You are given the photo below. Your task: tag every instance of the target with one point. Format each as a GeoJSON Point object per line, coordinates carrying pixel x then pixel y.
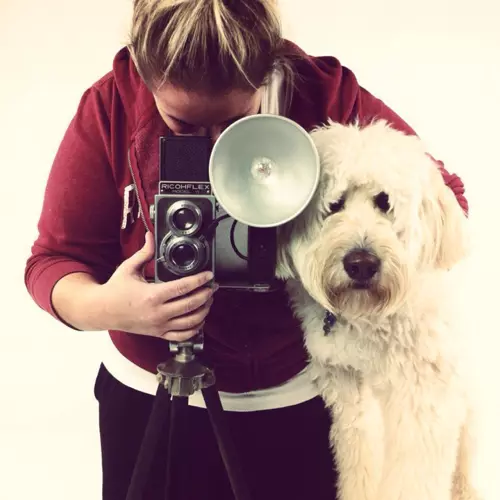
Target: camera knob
{"type": "Point", "coordinates": [152, 212]}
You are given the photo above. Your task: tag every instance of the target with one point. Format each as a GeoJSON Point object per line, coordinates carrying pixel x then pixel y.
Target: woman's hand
{"type": "Point", "coordinates": [175, 310]}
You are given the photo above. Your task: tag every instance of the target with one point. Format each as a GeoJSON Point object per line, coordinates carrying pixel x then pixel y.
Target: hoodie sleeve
{"type": "Point", "coordinates": [368, 108]}
{"type": "Point", "coordinates": [79, 222]}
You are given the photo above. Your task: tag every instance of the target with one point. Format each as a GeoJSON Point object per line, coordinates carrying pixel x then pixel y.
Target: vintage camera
{"type": "Point", "coordinates": [192, 231]}
{"type": "Point", "coordinates": [218, 207]}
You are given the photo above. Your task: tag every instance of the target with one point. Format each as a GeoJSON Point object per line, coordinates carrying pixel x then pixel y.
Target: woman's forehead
{"type": "Point", "coordinates": [205, 109]}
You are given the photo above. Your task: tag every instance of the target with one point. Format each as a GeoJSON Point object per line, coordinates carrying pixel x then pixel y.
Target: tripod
{"type": "Point", "coordinates": [179, 378]}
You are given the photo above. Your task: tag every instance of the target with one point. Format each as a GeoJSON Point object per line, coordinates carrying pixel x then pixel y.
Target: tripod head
{"type": "Point", "coordinates": [183, 375]}
{"type": "Point", "coordinates": [194, 345]}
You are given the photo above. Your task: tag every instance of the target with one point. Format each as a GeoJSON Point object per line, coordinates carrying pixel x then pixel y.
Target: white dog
{"type": "Point", "coordinates": [370, 268]}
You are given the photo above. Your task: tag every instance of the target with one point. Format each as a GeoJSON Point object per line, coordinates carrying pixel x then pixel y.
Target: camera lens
{"type": "Point", "coordinates": [184, 219]}
{"type": "Point", "coordinates": [183, 255]}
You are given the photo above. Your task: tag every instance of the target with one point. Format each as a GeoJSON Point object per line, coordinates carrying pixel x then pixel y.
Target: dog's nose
{"type": "Point", "coordinates": [361, 265]}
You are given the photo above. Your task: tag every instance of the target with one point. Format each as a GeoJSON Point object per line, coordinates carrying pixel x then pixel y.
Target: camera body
{"type": "Point", "coordinates": [180, 228]}
{"type": "Point", "coordinates": [194, 234]}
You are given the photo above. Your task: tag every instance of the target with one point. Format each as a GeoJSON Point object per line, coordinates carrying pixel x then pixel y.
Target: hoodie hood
{"type": "Point", "coordinates": [321, 86]}
{"type": "Point", "coordinates": [137, 100]}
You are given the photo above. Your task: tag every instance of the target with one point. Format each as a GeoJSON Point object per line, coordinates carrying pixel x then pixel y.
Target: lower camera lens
{"type": "Point", "coordinates": [183, 255]}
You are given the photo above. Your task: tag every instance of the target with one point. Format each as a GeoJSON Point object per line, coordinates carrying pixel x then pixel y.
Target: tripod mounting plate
{"type": "Point", "coordinates": [182, 379]}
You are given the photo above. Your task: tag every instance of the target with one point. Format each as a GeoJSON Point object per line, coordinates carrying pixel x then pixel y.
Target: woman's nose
{"type": "Point", "coordinates": [212, 132]}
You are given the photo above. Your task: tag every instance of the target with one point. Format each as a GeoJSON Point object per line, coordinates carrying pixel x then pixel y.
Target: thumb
{"type": "Point", "coordinates": [135, 263]}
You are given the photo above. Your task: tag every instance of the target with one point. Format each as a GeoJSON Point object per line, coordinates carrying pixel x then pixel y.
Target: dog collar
{"type": "Point", "coordinates": [329, 322]}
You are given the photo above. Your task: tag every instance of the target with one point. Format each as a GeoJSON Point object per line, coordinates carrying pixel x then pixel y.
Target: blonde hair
{"type": "Point", "coordinates": [214, 45]}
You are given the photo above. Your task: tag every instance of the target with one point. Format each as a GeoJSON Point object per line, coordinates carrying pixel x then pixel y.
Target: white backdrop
{"type": "Point", "coordinates": [438, 67]}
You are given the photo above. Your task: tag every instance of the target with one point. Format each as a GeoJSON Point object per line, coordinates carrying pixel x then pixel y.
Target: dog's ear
{"type": "Point", "coordinates": [294, 240]}
{"type": "Point", "coordinates": [444, 224]}
{"type": "Point", "coordinates": [284, 262]}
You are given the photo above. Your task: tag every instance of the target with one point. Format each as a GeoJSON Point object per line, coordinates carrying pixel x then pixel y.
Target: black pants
{"type": "Point", "coordinates": [284, 452]}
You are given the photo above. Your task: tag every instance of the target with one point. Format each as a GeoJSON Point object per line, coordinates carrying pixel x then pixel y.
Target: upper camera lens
{"type": "Point", "coordinates": [184, 219]}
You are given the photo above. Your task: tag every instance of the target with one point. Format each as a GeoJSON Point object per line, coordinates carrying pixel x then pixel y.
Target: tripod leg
{"type": "Point", "coordinates": [227, 449]}
{"type": "Point", "coordinates": [159, 414]}
{"type": "Point", "coordinates": [177, 460]}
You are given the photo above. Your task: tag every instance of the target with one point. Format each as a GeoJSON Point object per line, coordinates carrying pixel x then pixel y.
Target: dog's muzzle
{"type": "Point", "coordinates": [361, 266]}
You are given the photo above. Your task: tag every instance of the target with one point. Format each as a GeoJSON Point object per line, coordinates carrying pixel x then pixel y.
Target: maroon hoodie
{"type": "Point", "coordinates": [252, 340]}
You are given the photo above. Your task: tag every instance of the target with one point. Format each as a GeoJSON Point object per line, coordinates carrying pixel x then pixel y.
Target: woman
{"type": "Point", "coordinates": [192, 67]}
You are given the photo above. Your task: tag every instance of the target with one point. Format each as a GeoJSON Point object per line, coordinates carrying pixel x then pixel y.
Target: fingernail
{"type": "Point", "coordinates": [209, 275]}
{"type": "Point", "coordinates": [214, 286]}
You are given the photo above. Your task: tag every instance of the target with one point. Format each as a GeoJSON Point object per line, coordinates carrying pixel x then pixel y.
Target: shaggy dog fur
{"type": "Point", "coordinates": [379, 247]}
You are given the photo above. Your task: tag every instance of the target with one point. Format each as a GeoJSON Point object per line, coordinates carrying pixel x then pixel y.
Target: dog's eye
{"type": "Point", "coordinates": [337, 206]}
{"type": "Point", "coordinates": [382, 202]}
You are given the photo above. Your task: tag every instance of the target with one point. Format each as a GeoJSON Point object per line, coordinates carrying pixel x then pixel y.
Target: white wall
{"type": "Point", "coordinates": [438, 67]}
